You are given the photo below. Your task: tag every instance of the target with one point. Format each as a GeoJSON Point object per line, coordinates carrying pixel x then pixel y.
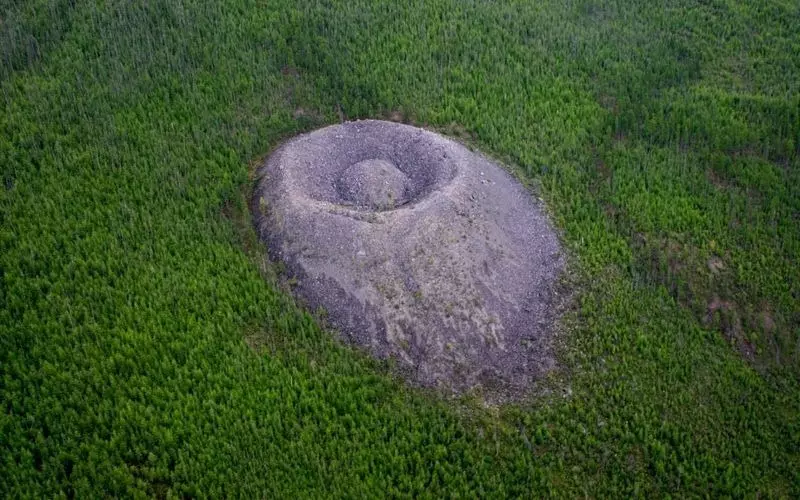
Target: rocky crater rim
{"type": "Point", "coordinates": [367, 166]}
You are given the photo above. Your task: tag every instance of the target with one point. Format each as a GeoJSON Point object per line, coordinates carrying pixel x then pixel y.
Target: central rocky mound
{"type": "Point", "coordinates": [376, 184]}
{"type": "Point", "coordinates": [417, 248]}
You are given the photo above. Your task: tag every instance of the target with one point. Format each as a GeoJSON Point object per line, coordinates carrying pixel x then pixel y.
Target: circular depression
{"type": "Point", "coordinates": [369, 168]}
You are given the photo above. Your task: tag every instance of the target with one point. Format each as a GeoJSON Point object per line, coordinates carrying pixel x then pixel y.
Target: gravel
{"type": "Point", "coordinates": [418, 249]}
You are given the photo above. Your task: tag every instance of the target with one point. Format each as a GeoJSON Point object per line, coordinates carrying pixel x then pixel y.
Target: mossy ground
{"type": "Point", "coordinates": [143, 352]}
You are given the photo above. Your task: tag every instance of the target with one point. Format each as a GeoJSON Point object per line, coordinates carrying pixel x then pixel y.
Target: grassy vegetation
{"type": "Point", "coordinates": [142, 352]}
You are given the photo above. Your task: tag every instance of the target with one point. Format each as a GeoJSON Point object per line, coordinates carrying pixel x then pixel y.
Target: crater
{"type": "Point", "coordinates": [418, 249]}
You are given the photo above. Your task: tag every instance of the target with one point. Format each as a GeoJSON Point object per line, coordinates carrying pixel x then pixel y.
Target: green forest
{"type": "Point", "coordinates": [148, 348]}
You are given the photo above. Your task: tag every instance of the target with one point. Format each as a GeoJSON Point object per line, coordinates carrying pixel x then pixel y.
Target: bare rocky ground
{"type": "Point", "coordinates": [418, 249]}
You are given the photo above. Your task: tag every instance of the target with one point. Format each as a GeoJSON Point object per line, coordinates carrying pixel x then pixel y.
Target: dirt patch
{"type": "Point", "coordinates": [716, 265]}
{"type": "Point", "coordinates": [725, 315]}
{"type": "Point", "coordinates": [767, 321]}
{"type": "Point", "coordinates": [418, 249]}
{"type": "Point", "coordinates": [716, 180]}
{"type": "Point", "coordinates": [397, 116]}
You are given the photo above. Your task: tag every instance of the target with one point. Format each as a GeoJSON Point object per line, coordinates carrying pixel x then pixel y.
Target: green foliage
{"type": "Point", "coordinates": [145, 349]}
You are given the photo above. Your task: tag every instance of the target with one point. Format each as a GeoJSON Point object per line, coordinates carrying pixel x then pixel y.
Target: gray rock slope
{"type": "Point", "coordinates": [417, 248]}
